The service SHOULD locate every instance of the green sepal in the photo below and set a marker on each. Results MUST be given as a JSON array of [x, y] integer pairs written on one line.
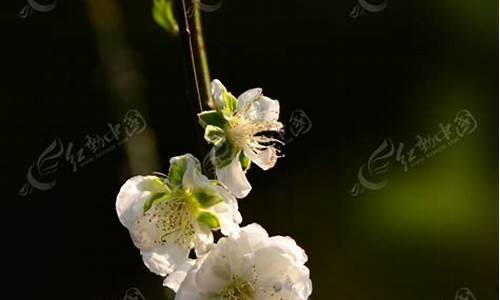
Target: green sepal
[[207, 197], [225, 102], [214, 135], [157, 198], [177, 170], [231, 104], [224, 154], [245, 162], [163, 14], [209, 219], [212, 117], [157, 185]]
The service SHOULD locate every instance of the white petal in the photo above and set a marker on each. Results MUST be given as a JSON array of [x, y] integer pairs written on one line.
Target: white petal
[[262, 109], [228, 219], [192, 176], [245, 99], [202, 239], [218, 90], [163, 260], [175, 279], [220, 265], [227, 213], [265, 159], [188, 289], [266, 262], [271, 265], [132, 196], [288, 245], [277, 292], [213, 275], [252, 237], [144, 233], [302, 281], [279, 274], [233, 177]]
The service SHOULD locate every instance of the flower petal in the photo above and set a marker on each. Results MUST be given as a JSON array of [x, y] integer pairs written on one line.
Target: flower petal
[[245, 99], [252, 237], [163, 260], [174, 280], [265, 159], [188, 289], [218, 89], [132, 196], [262, 109], [219, 266], [192, 176], [228, 214], [233, 177], [253, 261], [287, 244], [224, 101], [271, 264], [203, 238]]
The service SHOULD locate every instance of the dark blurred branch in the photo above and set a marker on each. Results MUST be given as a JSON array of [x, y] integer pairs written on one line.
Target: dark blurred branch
[[202, 61]]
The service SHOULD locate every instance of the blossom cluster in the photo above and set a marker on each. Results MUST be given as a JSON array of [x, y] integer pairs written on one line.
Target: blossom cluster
[[168, 217]]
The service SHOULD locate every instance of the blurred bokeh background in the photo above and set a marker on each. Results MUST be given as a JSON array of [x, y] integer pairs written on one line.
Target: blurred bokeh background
[[424, 232]]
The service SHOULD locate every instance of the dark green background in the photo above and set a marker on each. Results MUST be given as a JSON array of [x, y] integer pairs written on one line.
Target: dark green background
[[392, 74]]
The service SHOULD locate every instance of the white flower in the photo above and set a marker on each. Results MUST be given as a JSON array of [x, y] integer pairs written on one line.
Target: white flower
[[235, 128], [252, 266], [167, 217]]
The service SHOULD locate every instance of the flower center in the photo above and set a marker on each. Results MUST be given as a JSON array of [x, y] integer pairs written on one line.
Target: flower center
[[173, 221], [244, 135], [240, 131], [238, 289]]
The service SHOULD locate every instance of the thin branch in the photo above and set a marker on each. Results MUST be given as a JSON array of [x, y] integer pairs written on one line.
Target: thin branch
[[185, 36]]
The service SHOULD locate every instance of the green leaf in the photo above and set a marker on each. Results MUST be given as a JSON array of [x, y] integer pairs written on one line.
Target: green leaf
[[209, 219], [215, 135], [245, 162], [207, 197], [163, 14], [157, 198], [212, 117]]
